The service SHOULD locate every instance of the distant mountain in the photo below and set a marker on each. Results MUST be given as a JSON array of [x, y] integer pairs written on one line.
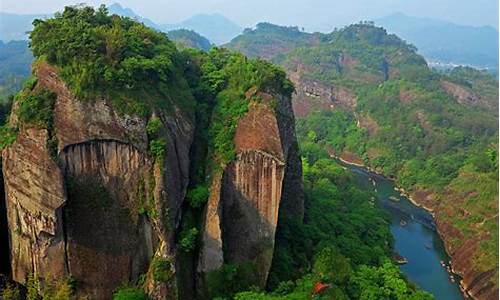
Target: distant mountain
[[15, 61], [443, 42], [15, 27], [117, 9], [185, 38], [215, 27]]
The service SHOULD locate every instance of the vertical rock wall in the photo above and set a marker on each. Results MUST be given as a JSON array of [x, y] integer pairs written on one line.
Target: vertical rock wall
[[101, 208], [244, 204]]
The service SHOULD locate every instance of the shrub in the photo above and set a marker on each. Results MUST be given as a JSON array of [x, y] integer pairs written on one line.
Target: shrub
[[188, 239], [8, 136], [11, 292], [153, 126], [161, 268], [36, 108], [130, 293], [198, 196], [157, 148]]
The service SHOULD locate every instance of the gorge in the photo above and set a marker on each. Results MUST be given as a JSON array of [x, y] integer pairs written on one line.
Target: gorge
[[137, 168]]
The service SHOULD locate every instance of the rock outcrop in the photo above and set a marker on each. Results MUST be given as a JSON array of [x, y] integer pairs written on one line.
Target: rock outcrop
[[264, 178], [101, 207], [311, 95], [86, 199]]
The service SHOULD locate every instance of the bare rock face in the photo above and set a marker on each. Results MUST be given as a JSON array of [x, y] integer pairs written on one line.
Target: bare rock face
[[35, 195], [312, 96], [243, 207], [101, 208], [467, 97]]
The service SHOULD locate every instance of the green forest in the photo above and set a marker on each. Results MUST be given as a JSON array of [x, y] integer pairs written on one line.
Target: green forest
[[418, 134], [407, 123]]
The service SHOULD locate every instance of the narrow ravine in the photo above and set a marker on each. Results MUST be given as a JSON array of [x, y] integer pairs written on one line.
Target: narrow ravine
[[415, 236]]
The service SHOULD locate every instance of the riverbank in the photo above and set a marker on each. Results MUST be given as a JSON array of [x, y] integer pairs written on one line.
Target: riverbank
[[414, 200]]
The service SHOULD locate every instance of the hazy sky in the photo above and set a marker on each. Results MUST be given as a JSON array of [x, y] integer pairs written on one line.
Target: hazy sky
[[312, 14]]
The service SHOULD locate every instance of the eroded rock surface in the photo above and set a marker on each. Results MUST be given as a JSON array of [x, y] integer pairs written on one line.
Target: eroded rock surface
[[242, 211], [99, 208]]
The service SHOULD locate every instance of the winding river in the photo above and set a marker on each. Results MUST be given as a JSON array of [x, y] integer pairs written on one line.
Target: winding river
[[415, 236]]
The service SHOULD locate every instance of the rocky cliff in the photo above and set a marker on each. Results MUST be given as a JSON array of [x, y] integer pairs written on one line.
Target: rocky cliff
[[242, 211], [98, 208], [97, 196]]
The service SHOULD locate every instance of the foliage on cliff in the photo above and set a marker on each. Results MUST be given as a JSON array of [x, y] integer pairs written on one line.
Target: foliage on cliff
[[185, 38], [225, 78], [344, 242], [430, 131], [112, 56]]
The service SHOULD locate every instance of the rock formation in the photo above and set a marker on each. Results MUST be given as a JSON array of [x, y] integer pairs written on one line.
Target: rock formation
[[100, 208], [242, 210]]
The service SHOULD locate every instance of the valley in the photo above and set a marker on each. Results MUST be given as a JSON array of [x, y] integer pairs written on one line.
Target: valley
[[142, 165]]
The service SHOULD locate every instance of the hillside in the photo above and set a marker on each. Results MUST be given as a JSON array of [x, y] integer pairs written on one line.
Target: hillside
[[216, 27], [16, 26], [435, 134], [134, 170], [445, 42], [119, 144], [185, 38], [15, 61]]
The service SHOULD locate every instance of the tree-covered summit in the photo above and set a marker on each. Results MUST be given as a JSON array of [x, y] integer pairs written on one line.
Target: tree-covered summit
[[108, 55]]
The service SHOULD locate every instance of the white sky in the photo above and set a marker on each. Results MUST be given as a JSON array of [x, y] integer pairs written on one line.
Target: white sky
[[312, 14]]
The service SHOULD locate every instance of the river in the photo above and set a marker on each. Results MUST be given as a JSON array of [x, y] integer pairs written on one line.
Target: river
[[415, 237]]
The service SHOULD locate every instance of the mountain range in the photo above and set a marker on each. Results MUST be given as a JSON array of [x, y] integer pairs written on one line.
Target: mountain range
[[444, 42]]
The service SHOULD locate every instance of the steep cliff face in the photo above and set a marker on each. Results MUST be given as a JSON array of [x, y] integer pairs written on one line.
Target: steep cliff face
[[101, 207], [242, 210], [312, 95]]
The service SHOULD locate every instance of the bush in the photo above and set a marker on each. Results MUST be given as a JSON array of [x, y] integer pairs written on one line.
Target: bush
[[36, 108], [130, 293], [198, 196], [11, 292], [157, 148], [188, 239], [153, 126], [162, 269]]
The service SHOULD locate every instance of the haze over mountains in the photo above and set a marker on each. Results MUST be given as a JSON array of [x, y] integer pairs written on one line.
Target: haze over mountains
[[134, 168], [442, 43], [446, 42]]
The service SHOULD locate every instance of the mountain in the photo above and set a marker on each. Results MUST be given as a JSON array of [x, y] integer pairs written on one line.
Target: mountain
[[126, 166], [445, 42], [16, 26], [117, 9], [133, 170], [185, 38], [15, 61], [368, 97], [215, 27]]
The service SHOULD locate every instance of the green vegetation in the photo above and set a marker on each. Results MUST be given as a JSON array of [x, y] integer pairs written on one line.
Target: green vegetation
[[130, 293], [185, 38], [15, 61], [188, 239], [197, 196], [162, 269], [157, 148], [36, 108], [231, 278], [153, 126], [100, 55], [409, 127], [11, 292]]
